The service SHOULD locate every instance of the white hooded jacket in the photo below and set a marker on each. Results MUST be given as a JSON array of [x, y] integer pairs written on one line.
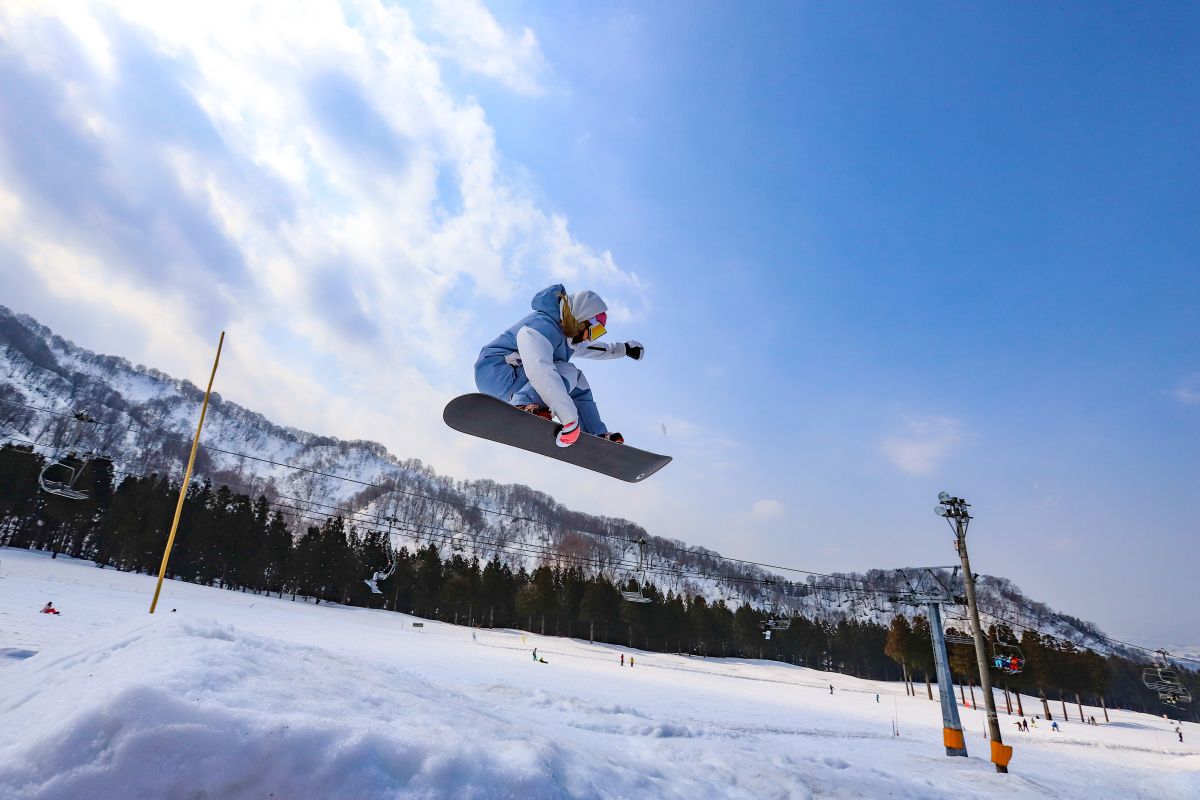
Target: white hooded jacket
[[536, 353]]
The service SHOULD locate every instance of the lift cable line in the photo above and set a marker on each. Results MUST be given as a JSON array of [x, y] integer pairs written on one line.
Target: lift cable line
[[466, 506], [682, 572], [889, 593], [678, 572]]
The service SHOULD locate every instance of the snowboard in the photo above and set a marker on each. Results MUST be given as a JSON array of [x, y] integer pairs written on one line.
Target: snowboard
[[489, 418]]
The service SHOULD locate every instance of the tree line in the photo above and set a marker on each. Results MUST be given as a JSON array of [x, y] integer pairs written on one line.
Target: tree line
[[1059, 676], [231, 541]]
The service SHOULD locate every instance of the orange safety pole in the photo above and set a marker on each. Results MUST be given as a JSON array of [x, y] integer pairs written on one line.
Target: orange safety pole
[[187, 477]]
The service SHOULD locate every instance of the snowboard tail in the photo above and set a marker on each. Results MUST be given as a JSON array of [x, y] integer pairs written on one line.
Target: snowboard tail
[[489, 418]]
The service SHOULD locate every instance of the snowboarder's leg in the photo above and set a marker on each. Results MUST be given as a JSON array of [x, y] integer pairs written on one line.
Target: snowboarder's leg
[[589, 412], [581, 394], [498, 378]]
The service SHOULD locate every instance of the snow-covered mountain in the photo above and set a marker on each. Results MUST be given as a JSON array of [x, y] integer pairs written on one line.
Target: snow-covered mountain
[[144, 420]]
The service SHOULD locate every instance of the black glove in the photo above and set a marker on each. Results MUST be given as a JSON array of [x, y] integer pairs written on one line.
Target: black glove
[[634, 350]]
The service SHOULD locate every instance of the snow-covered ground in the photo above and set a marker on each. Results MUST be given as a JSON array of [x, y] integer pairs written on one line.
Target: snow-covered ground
[[241, 696]]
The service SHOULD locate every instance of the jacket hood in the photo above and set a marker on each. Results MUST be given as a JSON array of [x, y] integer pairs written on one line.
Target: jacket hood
[[587, 304], [546, 301], [584, 305]]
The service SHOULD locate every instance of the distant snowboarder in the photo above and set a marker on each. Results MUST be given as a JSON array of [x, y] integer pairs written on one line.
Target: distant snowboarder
[[622, 659], [1179, 731], [831, 688], [529, 364], [49, 609], [1054, 725]]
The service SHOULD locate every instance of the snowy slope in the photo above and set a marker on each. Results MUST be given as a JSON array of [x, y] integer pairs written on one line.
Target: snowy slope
[[241, 696]]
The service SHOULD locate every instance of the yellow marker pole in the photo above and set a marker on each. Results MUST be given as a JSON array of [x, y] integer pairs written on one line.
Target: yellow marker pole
[[187, 477]]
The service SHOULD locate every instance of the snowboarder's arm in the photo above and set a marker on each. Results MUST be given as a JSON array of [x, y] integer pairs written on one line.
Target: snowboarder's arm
[[602, 350], [537, 356]]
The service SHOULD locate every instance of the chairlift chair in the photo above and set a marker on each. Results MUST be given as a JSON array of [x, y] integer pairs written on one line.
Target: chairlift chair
[[1177, 697], [373, 581], [59, 475], [1007, 658], [635, 597], [637, 576], [1164, 680]]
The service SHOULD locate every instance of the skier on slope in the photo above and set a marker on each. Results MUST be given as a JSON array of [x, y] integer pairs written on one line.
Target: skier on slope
[[49, 609], [529, 366]]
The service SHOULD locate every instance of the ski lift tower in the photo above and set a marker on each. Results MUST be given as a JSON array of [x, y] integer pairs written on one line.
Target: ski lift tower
[[954, 509], [933, 599]]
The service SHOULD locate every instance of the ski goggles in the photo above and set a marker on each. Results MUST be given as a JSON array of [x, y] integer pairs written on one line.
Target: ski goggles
[[596, 327]]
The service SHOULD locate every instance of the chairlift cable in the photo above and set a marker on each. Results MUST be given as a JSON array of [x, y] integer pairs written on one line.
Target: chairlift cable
[[547, 524]]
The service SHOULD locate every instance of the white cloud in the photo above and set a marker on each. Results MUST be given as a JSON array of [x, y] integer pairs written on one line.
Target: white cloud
[[469, 35], [767, 509], [1188, 390], [296, 173], [924, 444]]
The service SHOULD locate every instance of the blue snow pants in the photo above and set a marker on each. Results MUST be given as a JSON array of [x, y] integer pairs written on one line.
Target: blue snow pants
[[498, 378]]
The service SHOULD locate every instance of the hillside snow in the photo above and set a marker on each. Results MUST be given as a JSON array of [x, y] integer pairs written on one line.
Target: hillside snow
[[241, 696]]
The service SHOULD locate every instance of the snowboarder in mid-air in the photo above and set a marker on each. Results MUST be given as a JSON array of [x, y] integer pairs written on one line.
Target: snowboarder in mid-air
[[529, 365], [532, 397]]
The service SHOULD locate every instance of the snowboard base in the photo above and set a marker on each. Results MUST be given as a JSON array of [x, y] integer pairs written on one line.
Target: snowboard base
[[489, 418]]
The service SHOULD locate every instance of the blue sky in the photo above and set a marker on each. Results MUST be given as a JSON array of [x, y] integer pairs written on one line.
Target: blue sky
[[874, 251]]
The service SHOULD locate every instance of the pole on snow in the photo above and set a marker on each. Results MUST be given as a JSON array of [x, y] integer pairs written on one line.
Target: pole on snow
[[954, 509], [952, 732], [187, 477], [928, 591]]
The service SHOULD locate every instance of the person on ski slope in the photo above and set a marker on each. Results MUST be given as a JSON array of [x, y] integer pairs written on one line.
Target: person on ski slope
[[49, 609], [529, 364]]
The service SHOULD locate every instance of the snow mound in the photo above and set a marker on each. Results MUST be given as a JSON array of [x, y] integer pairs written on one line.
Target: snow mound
[[195, 709]]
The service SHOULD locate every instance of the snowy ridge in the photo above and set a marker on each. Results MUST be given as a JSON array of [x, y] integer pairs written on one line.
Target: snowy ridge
[[148, 418]]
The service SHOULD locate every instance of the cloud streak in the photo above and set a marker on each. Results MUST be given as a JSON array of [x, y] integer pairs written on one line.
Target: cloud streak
[[924, 444], [767, 509], [1188, 391]]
